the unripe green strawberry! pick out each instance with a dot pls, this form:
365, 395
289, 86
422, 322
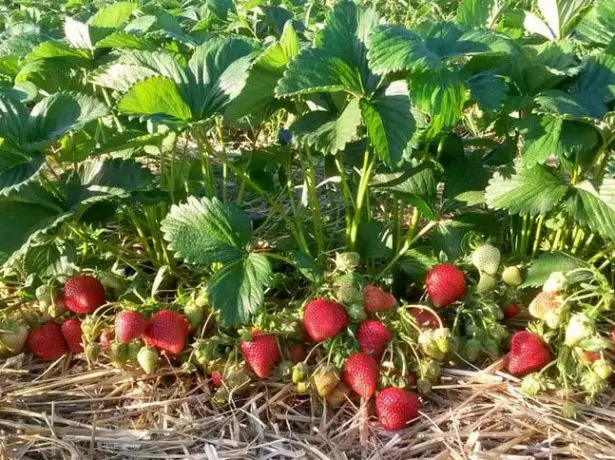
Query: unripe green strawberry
92, 351
486, 283
356, 312
299, 372
491, 349
512, 276
147, 359
486, 259
348, 293
603, 368
429, 345
579, 327
532, 384
593, 384
302, 387
119, 353
133, 351
339, 395
221, 397
442, 337
471, 350
285, 370
13, 336
194, 313
545, 303
325, 380
347, 261
429, 369
423, 386
557, 282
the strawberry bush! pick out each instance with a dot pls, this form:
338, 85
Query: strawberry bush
345, 197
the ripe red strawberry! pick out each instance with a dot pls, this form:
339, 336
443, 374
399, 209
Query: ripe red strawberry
106, 337
297, 352
396, 407
591, 356
528, 353
511, 310
361, 373
130, 325
425, 318
167, 331
373, 337
71, 330
83, 294
217, 378
324, 319
375, 299
47, 342
445, 284
261, 353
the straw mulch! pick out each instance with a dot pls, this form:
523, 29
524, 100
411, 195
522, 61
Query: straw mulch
68, 411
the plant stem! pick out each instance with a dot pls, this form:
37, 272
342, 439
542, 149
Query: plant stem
224, 159
368, 164
407, 245
310, 182
537, 235
348, 203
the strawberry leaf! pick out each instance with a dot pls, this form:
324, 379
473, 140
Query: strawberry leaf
207, 231
381, 114
540, 268
237, 289
326, 133
155, 96
338, 62
596, 209
529, 191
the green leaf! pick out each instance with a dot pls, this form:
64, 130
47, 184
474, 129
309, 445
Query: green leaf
316, 71
207, 231
374, 241
77, 33
326, 133
441, 95
595, 86
393, 48
488, 90
53, 258
540, 269
218, 72
339, 60
596, 209
307, 266
559, 103
155, 96
598, 25
133, 66
382, 115
55, 49
121, 39
24, 215
416, 186
417, 262
17, 169
529, 191
60, 113
266, 70
113, 15
237, 290
550, 135
477, 13
114, 176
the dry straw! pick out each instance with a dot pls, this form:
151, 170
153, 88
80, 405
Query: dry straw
71, 412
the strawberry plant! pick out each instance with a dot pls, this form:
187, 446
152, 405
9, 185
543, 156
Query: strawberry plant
344, 197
